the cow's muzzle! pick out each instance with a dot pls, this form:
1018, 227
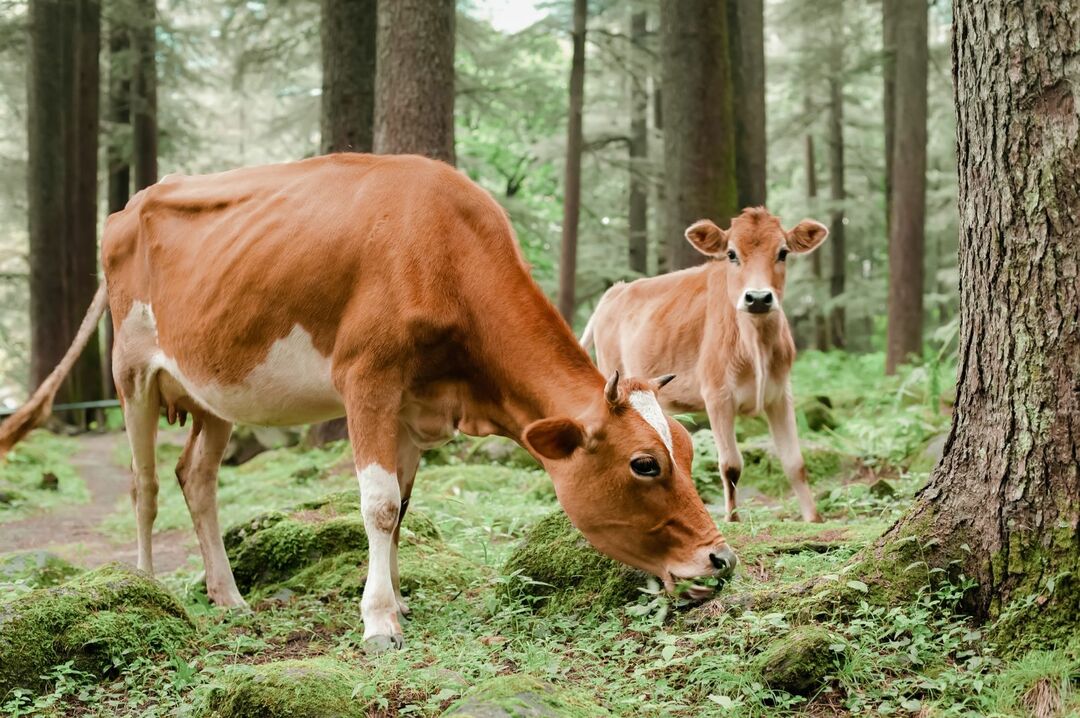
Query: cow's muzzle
758, 301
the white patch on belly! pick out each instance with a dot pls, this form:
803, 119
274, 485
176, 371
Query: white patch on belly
645, 403
292, 385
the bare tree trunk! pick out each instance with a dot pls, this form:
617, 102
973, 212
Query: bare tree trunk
639, 147
62, 129
821, 330
414, 79
888, 67
144, 94
348, 30
907, 241
117, 154
837, 194
1004, 503
572, 184
661, 196
746, 29
699, 122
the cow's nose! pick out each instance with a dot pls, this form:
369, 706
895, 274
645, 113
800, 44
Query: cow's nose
759, 300
724, 561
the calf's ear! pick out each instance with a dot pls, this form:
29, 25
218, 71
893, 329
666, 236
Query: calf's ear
707, 238
554, 438
806, 236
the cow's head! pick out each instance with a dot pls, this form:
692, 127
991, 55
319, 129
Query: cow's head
622, 474
755, 249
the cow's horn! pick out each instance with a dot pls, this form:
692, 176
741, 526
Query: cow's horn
611, 391
662, 381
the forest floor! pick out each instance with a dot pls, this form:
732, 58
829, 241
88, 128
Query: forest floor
475, 624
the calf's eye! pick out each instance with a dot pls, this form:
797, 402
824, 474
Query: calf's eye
782, 256
645, 466
732, 256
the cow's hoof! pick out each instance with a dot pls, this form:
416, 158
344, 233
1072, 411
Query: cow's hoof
381, 644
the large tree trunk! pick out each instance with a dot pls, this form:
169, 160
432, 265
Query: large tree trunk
1004, 502
821, 331
888, 72
414, 79
62, 129
907, 243
572, 183
746, 29
117, 154
837, 193
144, 94
699, 122
638, 253
348, 63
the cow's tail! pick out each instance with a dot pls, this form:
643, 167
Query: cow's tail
34, 412
587, 335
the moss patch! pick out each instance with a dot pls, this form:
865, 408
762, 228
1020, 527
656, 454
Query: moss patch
517, 696
99, 621
36, 569
799, 662
314, 688
567, 574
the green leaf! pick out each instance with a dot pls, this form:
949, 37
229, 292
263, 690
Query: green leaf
858, 586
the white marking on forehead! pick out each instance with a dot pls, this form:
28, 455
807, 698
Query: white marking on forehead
645, 403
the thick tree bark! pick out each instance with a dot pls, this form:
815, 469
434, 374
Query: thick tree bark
1004, 502
117, 154
572, 182
837, 193
907, 241
888, 72
638, 249
62, 130
144, 94
414, 79
699, 122
746, 29
821, 330
348, 62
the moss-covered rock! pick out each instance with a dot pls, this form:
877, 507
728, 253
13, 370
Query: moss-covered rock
320, 548
313, 688
567, 574
817, 410
99, 620
800, 662
517, 696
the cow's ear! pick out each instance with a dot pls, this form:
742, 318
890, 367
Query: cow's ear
554, 438
806, 236
707, 238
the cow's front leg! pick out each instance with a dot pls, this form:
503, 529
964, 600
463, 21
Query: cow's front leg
721, 409
372, 405
408, 461
781, 415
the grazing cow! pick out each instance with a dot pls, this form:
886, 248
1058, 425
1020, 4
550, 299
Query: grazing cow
721, 329
391, 290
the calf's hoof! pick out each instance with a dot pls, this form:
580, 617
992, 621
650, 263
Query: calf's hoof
381, 644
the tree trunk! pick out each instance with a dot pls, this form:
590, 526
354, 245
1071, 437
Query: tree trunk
837, 195
746, 29
1004, 500
639, 147
661, 197
888, 71
62, 133
348, 62
144, 94
118, 155
699, 123
414, 79
907, 245
821, 331
572, 184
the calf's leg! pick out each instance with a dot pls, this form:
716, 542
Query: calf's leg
408, 461
197, 472
781, 416
721, 410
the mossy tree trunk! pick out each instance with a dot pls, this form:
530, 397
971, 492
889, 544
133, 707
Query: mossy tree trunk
1005, 500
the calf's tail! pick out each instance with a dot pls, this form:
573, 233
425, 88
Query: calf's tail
587, 335
39, 406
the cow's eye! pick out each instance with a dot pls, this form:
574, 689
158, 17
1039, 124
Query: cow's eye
645, 466
732, 257
783, 255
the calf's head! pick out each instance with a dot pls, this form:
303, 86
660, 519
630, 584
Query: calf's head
622, 474
755, 250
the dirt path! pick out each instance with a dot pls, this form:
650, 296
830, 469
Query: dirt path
74, 533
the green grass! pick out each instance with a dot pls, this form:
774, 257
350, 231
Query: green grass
21, 472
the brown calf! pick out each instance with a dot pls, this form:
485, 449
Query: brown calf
391, 290
721, 329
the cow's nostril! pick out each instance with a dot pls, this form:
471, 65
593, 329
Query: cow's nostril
766, 298
718, 562
749, 297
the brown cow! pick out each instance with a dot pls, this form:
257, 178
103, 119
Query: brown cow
390, 290
721, 329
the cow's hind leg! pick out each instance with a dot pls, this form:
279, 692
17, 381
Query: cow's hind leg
721, 410
141, 409
408, 461
197, 472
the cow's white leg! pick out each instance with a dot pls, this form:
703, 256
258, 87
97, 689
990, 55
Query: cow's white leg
408, 461
721, 409
141, 421
781, 415
197, 472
